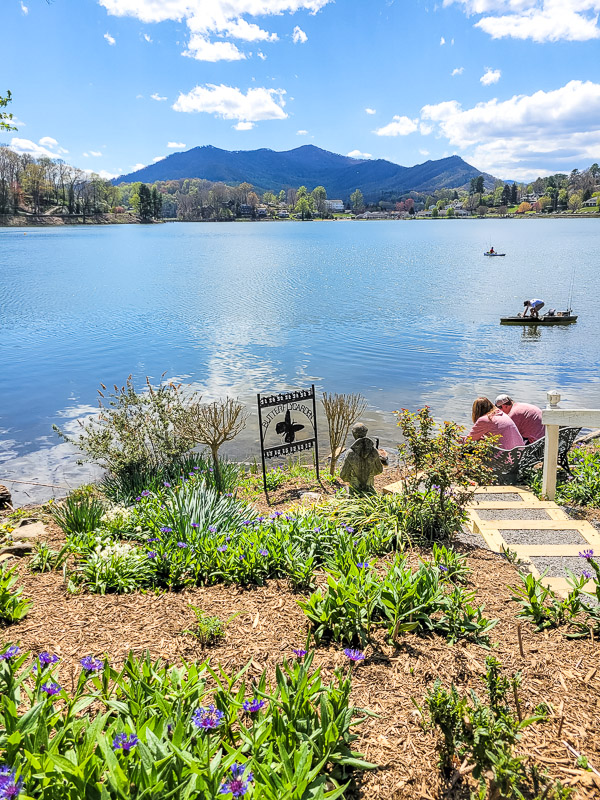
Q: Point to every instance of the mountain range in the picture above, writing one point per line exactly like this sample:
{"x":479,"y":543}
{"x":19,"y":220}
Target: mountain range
{"x":309,"y":166}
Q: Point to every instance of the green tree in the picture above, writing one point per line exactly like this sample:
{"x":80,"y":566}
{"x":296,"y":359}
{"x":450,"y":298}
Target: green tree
{"x":435,"y":213}
{"x":303,"y":207}
{"x":319,"y":196}
{"x":145,"y":208}
{"x":282,"y":196}
{"x":505,"y":195}
{"x":575,"y":201}
{"x":450,"y":212}
{"x":514,"y":199}
{"x":479,"y":187}
{"x":357,"y":200}
{"x":157,"y":201}
{"x":5,"y":115}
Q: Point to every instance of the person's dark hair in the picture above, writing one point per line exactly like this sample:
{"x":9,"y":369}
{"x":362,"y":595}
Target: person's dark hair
{"x":526,"y":303}
{"x":482,"y":406}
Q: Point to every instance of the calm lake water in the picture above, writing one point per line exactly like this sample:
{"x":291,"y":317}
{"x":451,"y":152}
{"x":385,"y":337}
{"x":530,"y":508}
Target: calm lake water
{"x":404,"y":312}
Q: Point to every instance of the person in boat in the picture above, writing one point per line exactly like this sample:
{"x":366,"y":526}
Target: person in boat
{"x":490,"y":421}
{"x":527,"y":418}
{"x":492,"y":251}
{"x":534,"y":307}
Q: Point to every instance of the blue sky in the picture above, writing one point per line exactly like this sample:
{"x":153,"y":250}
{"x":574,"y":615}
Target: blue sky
{"x":513,"y":86}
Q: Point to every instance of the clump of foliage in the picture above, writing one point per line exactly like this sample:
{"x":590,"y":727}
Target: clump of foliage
{"x":45,"y":560}
{"x":78,"y":514}
{"x":483,"y":732}
{"x":582,"y":488}
{"x":207,"y":629}
{"x":441,"y":474}
{"x":13,"y":606}
{"x":541,"y":606}
{"x":425,"y":600}
{"x":150,"y":730}
{"x":341,"y":411}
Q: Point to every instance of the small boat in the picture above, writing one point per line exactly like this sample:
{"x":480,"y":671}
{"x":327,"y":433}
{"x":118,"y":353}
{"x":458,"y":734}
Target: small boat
{"x":559,"y":318}
{"x":491,"y":255}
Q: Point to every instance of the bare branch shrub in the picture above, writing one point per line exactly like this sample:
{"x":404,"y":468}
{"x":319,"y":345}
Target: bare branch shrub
{"x":215,"y":423}
{"x":342,"y":411}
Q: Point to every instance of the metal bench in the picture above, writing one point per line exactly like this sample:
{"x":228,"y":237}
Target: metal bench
{"x":510,"y":466}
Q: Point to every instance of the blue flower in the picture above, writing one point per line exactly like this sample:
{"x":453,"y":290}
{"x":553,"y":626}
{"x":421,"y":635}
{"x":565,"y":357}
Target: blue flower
{"x":291,"y":519}
{"x":299,"y":653}
{"x":349,"y":528}
{"x":212,"y":528}
{"x":137,"y":499}
{"x":254,"y":706}
{"x":229,"y":494}
{"x":181,"y":545}
{"x":11,"y":652}
{"x":154,"y":539}
{"x":586,"y":574}
{"x":10,"y":787}
{"x":166,"y":530}
{"x":248,"y":522}
{"x":167,"y":485}
{"x":91,"y":664}
{"x":222,"y":548}
{"x":354,"y":655}
{"x":124,"y":742}
{"x":362,"y":564}
{"x":587,"y":554}
{"x":45,"y":659}
{"x":195,"y":524}
{"x":50,"y":688}
{"x":151,"y":554}
{"x":442,"y":568}
{"x":208,"y":719}
{"x":145,"y":493}
{"x":263,"y":552}
{"x":239,"y":782}
{"x":317,"y":530}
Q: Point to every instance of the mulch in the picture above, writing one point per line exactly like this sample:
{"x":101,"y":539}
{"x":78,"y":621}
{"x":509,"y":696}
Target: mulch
{"x":562,"y":673}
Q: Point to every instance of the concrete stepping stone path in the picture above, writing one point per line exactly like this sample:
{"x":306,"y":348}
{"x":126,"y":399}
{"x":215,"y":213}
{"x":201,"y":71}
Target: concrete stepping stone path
{"x":538,"y":532}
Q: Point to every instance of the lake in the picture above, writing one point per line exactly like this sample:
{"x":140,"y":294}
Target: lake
{"x":407,"y":313}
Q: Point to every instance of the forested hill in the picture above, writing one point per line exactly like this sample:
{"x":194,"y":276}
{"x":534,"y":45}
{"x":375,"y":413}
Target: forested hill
{"x":268,"y":170}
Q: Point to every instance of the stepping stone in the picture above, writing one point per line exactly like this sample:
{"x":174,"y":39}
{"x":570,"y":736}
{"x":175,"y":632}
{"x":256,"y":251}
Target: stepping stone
{"x":32,"y":530}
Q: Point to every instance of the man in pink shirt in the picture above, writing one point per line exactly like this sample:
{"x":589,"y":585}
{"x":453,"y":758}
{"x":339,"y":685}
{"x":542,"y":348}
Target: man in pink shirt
{"x":489,"y":420}
{"x":526,"y":417}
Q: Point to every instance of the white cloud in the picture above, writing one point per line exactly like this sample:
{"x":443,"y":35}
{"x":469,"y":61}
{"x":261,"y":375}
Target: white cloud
{"x":370,"y":111}
{"x":158,"y":158}
{"x":358,"y":154}
{"x":261,"y":55}
{"x":176,"y":145}
{"x":157,"y":97}
{"x":490,"y":76}
{"x":301,"y":133}
{"x":442,"y":42}
{"x":526,"y":135}
{"x":207,"y":19}
{"x":110,"y":39}
{"x":95,"y":153}
{"x":230,"y":102}
{"x":538,"y":20}
{"x":148,"y":38}
{"x":458,"y":71}
{"x":298,"y":36}
{"x":244,"y":126}
{"x":399,"y":126}
{"x":46,"y":146}
{"x":24,"y":8}
{"x":107,"y":176}
{"x":136,"y":167}
{"x":424,"y":152}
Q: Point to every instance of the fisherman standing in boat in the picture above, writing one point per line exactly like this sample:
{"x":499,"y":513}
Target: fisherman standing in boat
{"x":534,"y":307}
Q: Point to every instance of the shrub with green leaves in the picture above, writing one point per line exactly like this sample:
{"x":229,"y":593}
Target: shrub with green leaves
{"x":45,"y":560}
{"x":120,"y":568}
{"x":13,"y":606}
{"x":582,"y":488}
{"x":150,"y":730}
{"x":81,"y":514}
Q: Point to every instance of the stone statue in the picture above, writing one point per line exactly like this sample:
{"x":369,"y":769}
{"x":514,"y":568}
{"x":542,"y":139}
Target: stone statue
{"x":362,"y":462}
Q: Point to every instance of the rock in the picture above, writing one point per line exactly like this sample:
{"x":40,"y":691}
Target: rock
{"x":310,"y":498}
{"x":30,"y":530}
{"x":17,"y":549}
{"x":5,"y":498}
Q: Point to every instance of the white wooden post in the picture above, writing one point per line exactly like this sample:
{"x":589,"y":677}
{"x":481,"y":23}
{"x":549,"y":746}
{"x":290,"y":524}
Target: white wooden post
{"x":551,"y":450}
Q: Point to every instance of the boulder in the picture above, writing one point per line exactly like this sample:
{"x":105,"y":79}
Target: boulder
{"x":5,"y":498}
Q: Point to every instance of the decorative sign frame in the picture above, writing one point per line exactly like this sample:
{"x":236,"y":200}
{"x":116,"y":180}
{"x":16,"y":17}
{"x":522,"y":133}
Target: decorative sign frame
{"x":287,"y":402}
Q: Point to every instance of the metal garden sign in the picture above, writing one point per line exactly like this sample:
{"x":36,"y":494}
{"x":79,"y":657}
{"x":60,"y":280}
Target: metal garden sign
{"x":288,"y":424}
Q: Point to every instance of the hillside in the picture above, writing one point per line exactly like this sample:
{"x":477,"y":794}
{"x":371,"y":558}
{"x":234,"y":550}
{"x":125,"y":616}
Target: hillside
{"x":308,"y":166}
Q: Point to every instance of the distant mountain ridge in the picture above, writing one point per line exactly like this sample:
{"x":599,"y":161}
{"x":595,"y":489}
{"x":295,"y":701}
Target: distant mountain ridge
{"x":309,"y":166}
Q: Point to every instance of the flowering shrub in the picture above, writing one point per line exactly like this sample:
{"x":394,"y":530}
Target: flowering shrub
{"x":114,"y":568}
{"x":150,"y":730}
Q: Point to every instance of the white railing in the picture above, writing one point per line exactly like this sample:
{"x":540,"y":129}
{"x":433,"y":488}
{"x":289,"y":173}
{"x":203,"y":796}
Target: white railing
{"x":553,"y":417}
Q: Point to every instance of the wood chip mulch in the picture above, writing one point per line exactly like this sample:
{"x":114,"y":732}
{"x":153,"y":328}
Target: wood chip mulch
{"x":562,"y":673}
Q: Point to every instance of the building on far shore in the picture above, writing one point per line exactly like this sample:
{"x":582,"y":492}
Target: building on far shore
{"x":335,"y":206}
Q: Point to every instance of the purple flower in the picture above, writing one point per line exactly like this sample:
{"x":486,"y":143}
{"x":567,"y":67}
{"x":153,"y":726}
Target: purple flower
{"x":212,"y":528}
{"x":50,"y":688}
{"x":44,"y":660}
{"x":317,"y":530}
{"x":181,"y":545}
{"x":195,"y":524}
{"x":354,"y":655}
{"x":191,"y":474}
{"x":254,"y":706}
{"x":154,"y":539}
{"x":12,"y":651}
{"x":166,"y":530}
{"x":291,"y":519}
{"x":222,"y":548}
{"x":207,"y":718}
{"x":9,"y":785}
{"x":587,"y":554}
{"x":260,"y":519}
{"x":229,"y":494}
{"x":137,"y":499}
{"x":362,"y":564}
{"x":436,"y":487}
{"x":91,"y":664}
{"x":151,"y":554}
{"x":299,"y":653}
{"x":196,"y":468}
{"x":263,"y":552}
{"x":248,"y":522}
{"x":124,"y":742}
{"x":442,"y":568}
{"x":167,"y":485}
{"x":145,"y":493}
{"x":586,"y":574}
{"x":349,"y":528}
{"x":239,"y":781}
{"x":276,"y":514}
{"x":228,"y":538}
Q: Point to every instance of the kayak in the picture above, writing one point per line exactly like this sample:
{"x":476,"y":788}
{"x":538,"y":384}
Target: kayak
{"x":555,"y":319}
{"x":500,"y":255}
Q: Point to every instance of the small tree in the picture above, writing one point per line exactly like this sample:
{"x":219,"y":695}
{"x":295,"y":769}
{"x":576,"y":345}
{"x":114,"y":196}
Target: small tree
{"x":358,"y":201}
{"x":145,"y":202}
{"x":215,"y":423}
{"x":342,"y":411}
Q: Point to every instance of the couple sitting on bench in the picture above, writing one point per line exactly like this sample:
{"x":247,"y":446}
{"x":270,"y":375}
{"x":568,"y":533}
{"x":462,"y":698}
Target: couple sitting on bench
{"x":516,"y":424}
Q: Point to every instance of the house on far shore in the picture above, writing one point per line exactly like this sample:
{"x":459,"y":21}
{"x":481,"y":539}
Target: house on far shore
{"x":245,"y":210}
{"x":591,"y":202}
{"x":335,"y":206}
{"x":261,"y":212}
{"x":283,"y":214}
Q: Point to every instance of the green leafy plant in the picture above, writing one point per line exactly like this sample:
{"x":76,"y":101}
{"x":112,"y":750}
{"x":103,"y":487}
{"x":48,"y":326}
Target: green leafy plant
{"x":13,"y":606}
{"x":582,"y":487}
{"x":78,"y":514}
{"x":207,"y":629}
{"x":45,"y":560}
{"x":119,"y":568}
{"x":540,"y":605}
